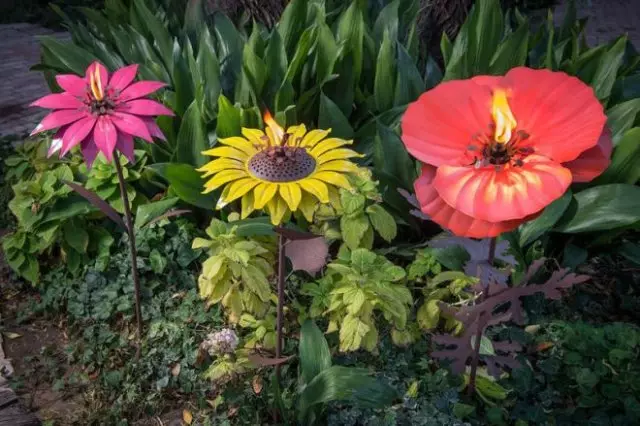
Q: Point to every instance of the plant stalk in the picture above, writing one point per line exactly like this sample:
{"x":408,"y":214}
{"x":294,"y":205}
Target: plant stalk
{"x":483,"y":296}
{"x":134,"y":252}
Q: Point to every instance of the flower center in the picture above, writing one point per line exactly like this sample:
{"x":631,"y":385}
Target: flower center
{"x":282,"y":164}
{"x":99,"y":100}
{"x":499,"y":146}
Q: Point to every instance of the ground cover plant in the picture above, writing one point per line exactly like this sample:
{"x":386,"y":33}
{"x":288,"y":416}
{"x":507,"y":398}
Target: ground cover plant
{"x":323,"y":224}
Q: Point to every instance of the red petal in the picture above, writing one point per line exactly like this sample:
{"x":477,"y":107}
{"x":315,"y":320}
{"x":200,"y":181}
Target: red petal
{"x":76,"y":133}
{"x":105,"y":135}
{"x":506,"y":194}
{"x":58,"y":101}
{"x":144,"y":107}
{"x":132,"y":125}
{"x":594,"y":161}
{"x":73,"y":84}
{"x":56,"y":141}
{"x":123,"y":77}
{"x":449,"y":218}
{"x":104,"y":74}
{"x":559,"y":112}
{"x":154,"y":129}
{"x":59,"y":119}
{"x":125,"y":145}
{"x":140,"y":89}
{"x":440,"y":125}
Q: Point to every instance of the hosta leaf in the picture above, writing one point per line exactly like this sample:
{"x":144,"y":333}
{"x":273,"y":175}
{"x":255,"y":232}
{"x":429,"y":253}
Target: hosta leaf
{"x":313,"y":350}
{"x":330,"y":117}
{"x":150,"y":211}
{"x":624,"y":163}
{"x":76,"y":236}
{"x":186,"y":183}
{"x":386,"y":24}
{"x":351,"y":32}
{"x":292,"y":23}
{"x":326,"y":53}
{"x":530,"y":231}
{"x":409,"y":84}
{"x":158,"y":30}
{"x":621,"y":118}
{"x":607,"y":70}
{"x":210,"y":72}
{"x":228,"y":119}
{"x":385,"y":74}
{"x":192,"y":138}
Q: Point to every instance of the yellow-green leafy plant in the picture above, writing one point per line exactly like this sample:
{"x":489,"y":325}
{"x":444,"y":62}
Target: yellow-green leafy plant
{"x":262,"y":331}
{"x":229,"y":360}
{"x":236,"y":272}
{"x":356,"y":286}
{"x":354,"y":214}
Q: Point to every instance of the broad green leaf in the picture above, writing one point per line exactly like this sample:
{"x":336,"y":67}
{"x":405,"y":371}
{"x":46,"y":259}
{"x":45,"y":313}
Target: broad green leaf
{"x":194,"y":21}
{"x":326,"y":53}
{"x":607,"y":70}
{"x":157,"y":261}
{"x":313,"y":351}
{"x":353,"y":229}
{"x":386,"y":24}
{"x":391,"y":157}
{"x":428,"y":315}
{"x":602,"y":208}
{"x":76,"y":236}
{"x":292,"y":23}
{"x":182,"y":80}
{"x":339,"y":383}
{"x":228,"y":119}
{"x":624,"y":167}
{"x":433,"y":74}
{"x":485,"y":32}
{"x":72,"y":57}
{"x":255,"y":70}
{"x":446,"y":48}
{"x":351,"y":32}
{"x":363,"y":260}
{"x":342,"y":90}
{"x":409,"y":84}
{"x":532,"y":230}
{"x":210,"y":72}
{"x":330,"y":117}
{"x":255,"y":280}
{"x":276,"y":61}
{"x":382,"y":222}
{"x":512,"y":52}
{"x":192,"y":139}
{"x":150,"y":211}
{"x":229,"y":50}
{"x":186,"y":183}
{"x":621,"y":118}
{"x":352,"y":332}
{"x":158,"y":30}
{"x":304,"y":45}
{"x":385,"y":74}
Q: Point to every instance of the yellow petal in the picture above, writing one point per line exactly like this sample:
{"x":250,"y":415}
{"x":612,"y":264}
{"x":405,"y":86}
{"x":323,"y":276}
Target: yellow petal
{"x":337,"y":179}
{"x":277,"y":209}
{"x":313,"y":137}
{"x":247,"y":205}
{"x":338,"y":154}
{"x":223,"y":177}
{"x":222,"y":203}
{"x":292,"y":194}
{"x":226,"y":151}
{"x":255,"y":136}
{"x":240,"y":187}
{"x":239,"y":143}
{"x":344,"y":166}
{"x":308,"y":206}
{"x":296,"y":132}
{"x":263,"y":194}
{"x":327,"y":145}
{"x":220,"y":164}
{"x":273,"y":141}
{"x":316,"y":188}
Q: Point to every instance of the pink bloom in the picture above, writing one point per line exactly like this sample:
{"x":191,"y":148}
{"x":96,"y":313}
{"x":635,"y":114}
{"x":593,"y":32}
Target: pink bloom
{"x":101,"y":112}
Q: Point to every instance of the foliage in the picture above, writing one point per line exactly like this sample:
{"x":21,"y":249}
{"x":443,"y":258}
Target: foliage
{"x":356,"y":216}
{"x":356,"y":285}
{"x":581,"y":373}
{"x":236,"y":274}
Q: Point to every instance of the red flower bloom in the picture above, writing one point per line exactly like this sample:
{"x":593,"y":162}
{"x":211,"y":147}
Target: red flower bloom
{"x":497,"y":150}
{"x":101,"y":113}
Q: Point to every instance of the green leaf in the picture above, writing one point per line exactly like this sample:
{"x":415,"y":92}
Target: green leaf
{"x":228,"y":119}
{"x":255,"y":280}
{"x":158,"y":30}
{"x":351,"y":33}
{"x":330,"y":117}
{"x":624,"y":162}
{"x":532,"y":230}
{"x":363,"y":259}
{"x":433,"y":74}
{"x":391,"y":157}
{"x":353,"y":229}
{"x":302,"y":51}
{"x":409,"y":84}
{"x":621,"y":118}
{"x":76,"y":236}
{"x":602,"y":208}
{"x":339,"y":383}
{"x":74,"y":58}
{"x":352,"y":332}
{"x":446,"y":48}
{"x":192,"y":138}
{"x":158,"y":261}
{"x":255,"y":70}
{"x":186,"y":183}
{"x":292,"y":23}
{"x":512,"y":51}
{"x":382,"y":222}
{"x":314,"y":353}
{"x":326,"y":53}
{"x":428,"y":316}
{"x":462,"y":411}
{"x":386,"y":24}
{"x":150,"y":211}
{"x":210,"y":72}
{"x":230,"y":47}
{"x":485,"y":32}
{"x":194,"y":21}
{"x":607,"y":70}
{"x":385,"y":74}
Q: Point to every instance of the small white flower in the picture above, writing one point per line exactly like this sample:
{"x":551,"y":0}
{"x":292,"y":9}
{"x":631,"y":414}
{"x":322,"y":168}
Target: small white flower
{"x":224,"y":341}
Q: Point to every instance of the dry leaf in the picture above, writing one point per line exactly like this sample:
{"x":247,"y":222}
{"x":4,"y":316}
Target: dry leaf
{"x":544,"y":346}
{"x":175,"y":371}
{"x":11,"y":335}
{"x":232,"y":411}
{"x":187,"y":416}
{"x":257,"y":384}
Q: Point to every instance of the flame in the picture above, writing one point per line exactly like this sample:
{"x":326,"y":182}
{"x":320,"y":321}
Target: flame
{"x":96,"y":84}
{"x":502,"y":117}
{"x":278,"y":132}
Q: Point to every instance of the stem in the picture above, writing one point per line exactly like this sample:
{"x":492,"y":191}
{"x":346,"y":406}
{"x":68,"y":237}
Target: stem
{"x":482,"y":297}
{"x":134,"y":252}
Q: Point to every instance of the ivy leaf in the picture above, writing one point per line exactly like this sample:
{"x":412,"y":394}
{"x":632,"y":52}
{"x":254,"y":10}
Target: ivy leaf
{"x":382,"y":222}
{"x":353,"y":229}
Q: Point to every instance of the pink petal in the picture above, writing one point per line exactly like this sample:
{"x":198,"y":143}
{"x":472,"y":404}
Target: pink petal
{"x":73,"y":84}
{"x":58,"y":101}
{"x":58,"y":119}
{"x":56,"y":142}
{"x":594,"y":161}
{"x":125,"y":146}
{"x":154,"y":129}
{"x":89,"y":151}
{"x":123,"y":77}
{"x":104,"y":74}
{"x":140,"y":89}
{"x":105,"y":135}
{"x":76,"y":133}
{"x":144,"y":107}
{"x":132,"y":125}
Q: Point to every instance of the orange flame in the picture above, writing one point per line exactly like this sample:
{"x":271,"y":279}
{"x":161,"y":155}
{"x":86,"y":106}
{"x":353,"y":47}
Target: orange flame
{"x":278,"y":131}
{"x":502,"y":117}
